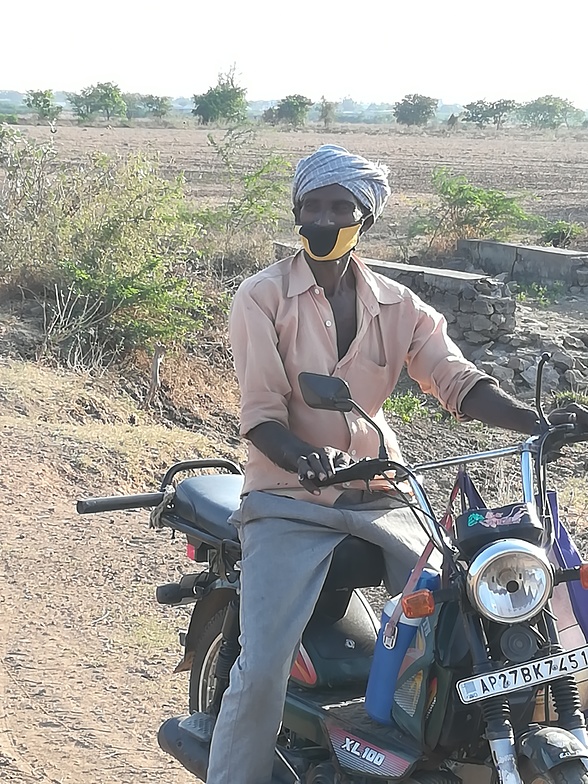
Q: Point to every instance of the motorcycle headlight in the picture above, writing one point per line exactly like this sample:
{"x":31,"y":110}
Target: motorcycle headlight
{"x":510,"y":580}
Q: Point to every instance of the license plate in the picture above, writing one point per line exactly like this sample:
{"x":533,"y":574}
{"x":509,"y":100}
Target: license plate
{"x":523,"y":675}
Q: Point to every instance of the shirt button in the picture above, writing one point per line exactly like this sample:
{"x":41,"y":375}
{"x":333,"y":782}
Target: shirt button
{"x":353,"y":452}
{"x":328,"y":323}
{"x":317,"y":291}
{"x":346,"y":484}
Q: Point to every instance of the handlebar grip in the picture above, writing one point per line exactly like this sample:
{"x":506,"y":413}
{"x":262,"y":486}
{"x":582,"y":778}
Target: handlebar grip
{"x":118,"y":502}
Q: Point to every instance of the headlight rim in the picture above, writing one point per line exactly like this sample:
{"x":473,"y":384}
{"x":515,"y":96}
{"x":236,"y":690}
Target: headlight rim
{"x":491,"y":553}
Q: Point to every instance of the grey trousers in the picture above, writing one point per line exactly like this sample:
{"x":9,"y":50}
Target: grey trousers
{"x":287,"y":547}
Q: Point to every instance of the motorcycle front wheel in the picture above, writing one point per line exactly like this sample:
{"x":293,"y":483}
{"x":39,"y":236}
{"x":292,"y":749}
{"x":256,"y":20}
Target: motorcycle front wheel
{"x":569,"y":772}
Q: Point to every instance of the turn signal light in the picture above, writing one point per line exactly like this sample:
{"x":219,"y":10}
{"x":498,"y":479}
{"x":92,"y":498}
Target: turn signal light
{"x":584,"y":576}
{"x":419,"y":604}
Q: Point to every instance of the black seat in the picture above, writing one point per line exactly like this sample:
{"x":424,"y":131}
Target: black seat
{"x":208,"y":501}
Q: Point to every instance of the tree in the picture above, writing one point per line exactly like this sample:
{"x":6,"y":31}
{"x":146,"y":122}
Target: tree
{"x":484,"y":112}
{"x":134,"y":104}
{"x":156,"y":105}
{"x":549,"y":111}
{"x":270,"y":115}
{"x":43,"y":102}
{"x":478,"y":112}
{"x":83,"y":104}
{"x":108,"y":99}
{"x":327,"y":111}
{"x":104,"y":97}
{"x":415,"y":109}
{"x":225,"y":101}
{"x":499,"y":111}
{"x":293,"y":110}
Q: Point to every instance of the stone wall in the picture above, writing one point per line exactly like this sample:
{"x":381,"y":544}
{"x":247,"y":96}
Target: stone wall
{"x":528,"y":263}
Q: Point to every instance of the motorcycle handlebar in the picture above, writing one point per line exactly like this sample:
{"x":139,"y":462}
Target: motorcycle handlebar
{"x":118,"y":502}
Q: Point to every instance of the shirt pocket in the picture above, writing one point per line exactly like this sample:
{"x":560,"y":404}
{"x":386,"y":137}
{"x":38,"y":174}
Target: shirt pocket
{"x":370,"y":382}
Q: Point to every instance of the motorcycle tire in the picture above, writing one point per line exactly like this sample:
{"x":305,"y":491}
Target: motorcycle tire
{"x":203,"y":663}
{"x":569,"y":772}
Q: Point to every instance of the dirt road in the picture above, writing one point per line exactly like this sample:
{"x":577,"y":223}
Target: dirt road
{"x":86,"y":655}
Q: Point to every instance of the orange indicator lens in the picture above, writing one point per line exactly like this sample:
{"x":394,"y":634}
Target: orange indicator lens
{"x":418,"y":604}
{"x":584,"y":576}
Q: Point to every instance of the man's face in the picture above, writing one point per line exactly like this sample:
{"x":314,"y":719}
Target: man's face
{"x":332,"y":205}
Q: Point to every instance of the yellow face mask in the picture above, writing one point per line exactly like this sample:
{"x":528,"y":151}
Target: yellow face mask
{"x":328,"y":243}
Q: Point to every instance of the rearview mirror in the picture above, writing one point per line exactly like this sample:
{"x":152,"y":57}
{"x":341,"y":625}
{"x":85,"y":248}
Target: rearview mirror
{"x":325,"y":392}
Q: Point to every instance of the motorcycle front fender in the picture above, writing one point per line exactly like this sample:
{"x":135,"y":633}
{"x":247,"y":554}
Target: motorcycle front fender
{"x":546,"y":747}
{"x":203,"y":611}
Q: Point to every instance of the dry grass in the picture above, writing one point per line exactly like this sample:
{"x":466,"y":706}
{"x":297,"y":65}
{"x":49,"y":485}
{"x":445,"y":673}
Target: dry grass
{"x":94,"y":433}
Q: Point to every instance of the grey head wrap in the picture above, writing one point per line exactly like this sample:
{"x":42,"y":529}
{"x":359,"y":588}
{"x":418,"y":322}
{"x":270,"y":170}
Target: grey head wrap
{"x":333,"y":165}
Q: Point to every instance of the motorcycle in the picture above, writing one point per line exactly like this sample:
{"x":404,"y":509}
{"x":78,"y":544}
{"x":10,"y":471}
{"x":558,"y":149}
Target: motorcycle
{"x":497,"y":691}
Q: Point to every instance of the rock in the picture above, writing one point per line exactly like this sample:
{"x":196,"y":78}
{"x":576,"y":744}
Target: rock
{"x":483,"y":353}
{"x":481,"y":323}
{"x":550,"y":377}
{"x":487,"y":367}
{"x":518,"y":363}
{"x":475,"y":337}
{"x":464,"y":320}
{"x":506,"y":306}
{"x":450,"y":302}
{"x":508,"y":387}
{"x":570,"y":341}
{"x":575,"y":379}
{"x":562,"y":360}
{"x":582,"y":276}
{"x":583,"y":336}
{"x":483,"y":305}
{"x":465,"y":306}
{"x":450,"y":318}
{"x":498,"y":319}
{"x":502,"y":373}
{"x":469,"y":292}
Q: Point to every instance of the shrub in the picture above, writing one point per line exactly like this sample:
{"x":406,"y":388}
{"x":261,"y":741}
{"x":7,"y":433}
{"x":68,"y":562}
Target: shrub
{"x":469,"y":211}
{"x":561,"y":233}
{"x":236,"y":231}
{"x":406,"y":406}
{"x":107,"y":246}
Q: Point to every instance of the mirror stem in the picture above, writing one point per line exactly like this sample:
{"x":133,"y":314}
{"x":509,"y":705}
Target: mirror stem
{"x":382,"y":452}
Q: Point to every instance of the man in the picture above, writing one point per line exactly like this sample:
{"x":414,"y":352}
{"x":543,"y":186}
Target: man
{"x":323,"y":311}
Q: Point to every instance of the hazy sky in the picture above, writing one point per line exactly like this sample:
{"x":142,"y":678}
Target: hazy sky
{"x":453,"y":50}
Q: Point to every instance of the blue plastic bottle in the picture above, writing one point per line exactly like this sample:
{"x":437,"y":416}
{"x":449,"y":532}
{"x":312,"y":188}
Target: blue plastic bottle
{"x":379,"y":696}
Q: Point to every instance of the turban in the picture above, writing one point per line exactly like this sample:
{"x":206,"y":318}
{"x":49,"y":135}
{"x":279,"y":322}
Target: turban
{"x":333,"y":165}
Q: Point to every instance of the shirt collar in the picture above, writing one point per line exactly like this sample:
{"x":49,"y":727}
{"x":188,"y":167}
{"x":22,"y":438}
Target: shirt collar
{"x":372,"y":289}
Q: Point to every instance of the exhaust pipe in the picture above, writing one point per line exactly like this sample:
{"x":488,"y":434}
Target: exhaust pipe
{"x":191,"y":753}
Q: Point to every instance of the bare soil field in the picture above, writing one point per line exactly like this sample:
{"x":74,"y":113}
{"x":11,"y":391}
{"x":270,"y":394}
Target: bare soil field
{"x":86,"y":654}
{"x":549,"y":170}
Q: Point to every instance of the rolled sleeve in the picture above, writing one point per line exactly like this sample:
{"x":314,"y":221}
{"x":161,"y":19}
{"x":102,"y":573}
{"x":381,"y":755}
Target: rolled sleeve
{"x":265,"y":389}
{"x":437,"y":364}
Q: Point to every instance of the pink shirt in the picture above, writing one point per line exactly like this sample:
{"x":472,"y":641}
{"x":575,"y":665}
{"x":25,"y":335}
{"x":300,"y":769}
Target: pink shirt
{"x":281,"y":323}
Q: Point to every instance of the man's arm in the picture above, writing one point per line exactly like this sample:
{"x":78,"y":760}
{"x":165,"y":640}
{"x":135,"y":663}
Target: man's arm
{"x":489,"y":404}
{"x":289,"y":452}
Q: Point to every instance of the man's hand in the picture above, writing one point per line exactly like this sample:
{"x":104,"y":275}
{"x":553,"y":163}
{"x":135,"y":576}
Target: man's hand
{"x":573,"y":413}
{"x":320,"y":465}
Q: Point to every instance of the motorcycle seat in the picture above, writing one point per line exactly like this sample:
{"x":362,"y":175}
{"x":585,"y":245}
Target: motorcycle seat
{"x":208,"y":501}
